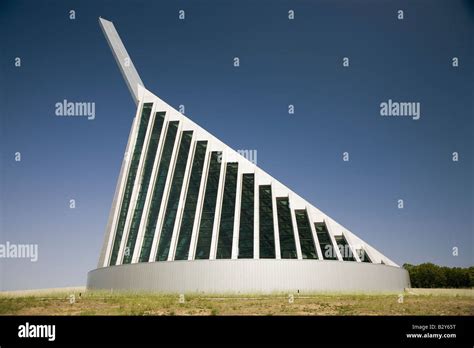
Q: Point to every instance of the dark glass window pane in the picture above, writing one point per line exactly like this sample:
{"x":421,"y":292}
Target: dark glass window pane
{"x":285,"y":227}
{"x":308,"y":248}
{"x":203,"y":247}
{"x":187,"y":222}
{"x":364,"y":257}
{"x":142,"y":127}
{"x":344,"y":247}
{"x":148,"y":168}
{"x":226,"y":228}
{"x":247,"y":211}
{"x":267,"y":236}
{"x":158,"y":189}
{"x":173,"y":199}
{"x":327,"y":248}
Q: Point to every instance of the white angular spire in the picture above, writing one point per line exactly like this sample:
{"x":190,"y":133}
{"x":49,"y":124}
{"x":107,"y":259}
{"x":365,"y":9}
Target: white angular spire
{"x":122,"y":58}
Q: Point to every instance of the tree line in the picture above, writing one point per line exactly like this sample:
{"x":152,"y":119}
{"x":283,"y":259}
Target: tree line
{"x":429,"y":275}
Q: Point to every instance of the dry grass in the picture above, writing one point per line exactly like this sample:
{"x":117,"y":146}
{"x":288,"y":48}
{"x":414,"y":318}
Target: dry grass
{"x":415,"y":302}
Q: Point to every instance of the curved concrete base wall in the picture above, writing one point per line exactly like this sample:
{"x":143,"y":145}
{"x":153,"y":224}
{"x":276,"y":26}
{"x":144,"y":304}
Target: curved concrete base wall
{"x":249,"y":276}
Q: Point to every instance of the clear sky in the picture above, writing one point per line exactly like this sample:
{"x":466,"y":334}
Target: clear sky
{"x":282,"y":62}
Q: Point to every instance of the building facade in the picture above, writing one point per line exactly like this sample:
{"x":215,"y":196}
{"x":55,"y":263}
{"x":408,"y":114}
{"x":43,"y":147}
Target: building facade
{"x":192,"y":215}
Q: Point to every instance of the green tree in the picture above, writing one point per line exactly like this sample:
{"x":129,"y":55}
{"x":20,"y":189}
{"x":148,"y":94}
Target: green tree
{"x":429,"y":275}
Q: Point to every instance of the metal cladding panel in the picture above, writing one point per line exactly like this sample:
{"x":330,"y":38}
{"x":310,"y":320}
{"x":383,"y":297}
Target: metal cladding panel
{"x":249,"y":276}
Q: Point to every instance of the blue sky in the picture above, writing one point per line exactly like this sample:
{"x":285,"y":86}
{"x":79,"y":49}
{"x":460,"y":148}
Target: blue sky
{"x":283,"y":62}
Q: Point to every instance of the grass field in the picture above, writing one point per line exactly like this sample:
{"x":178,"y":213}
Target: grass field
{"x":60,"y":302}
